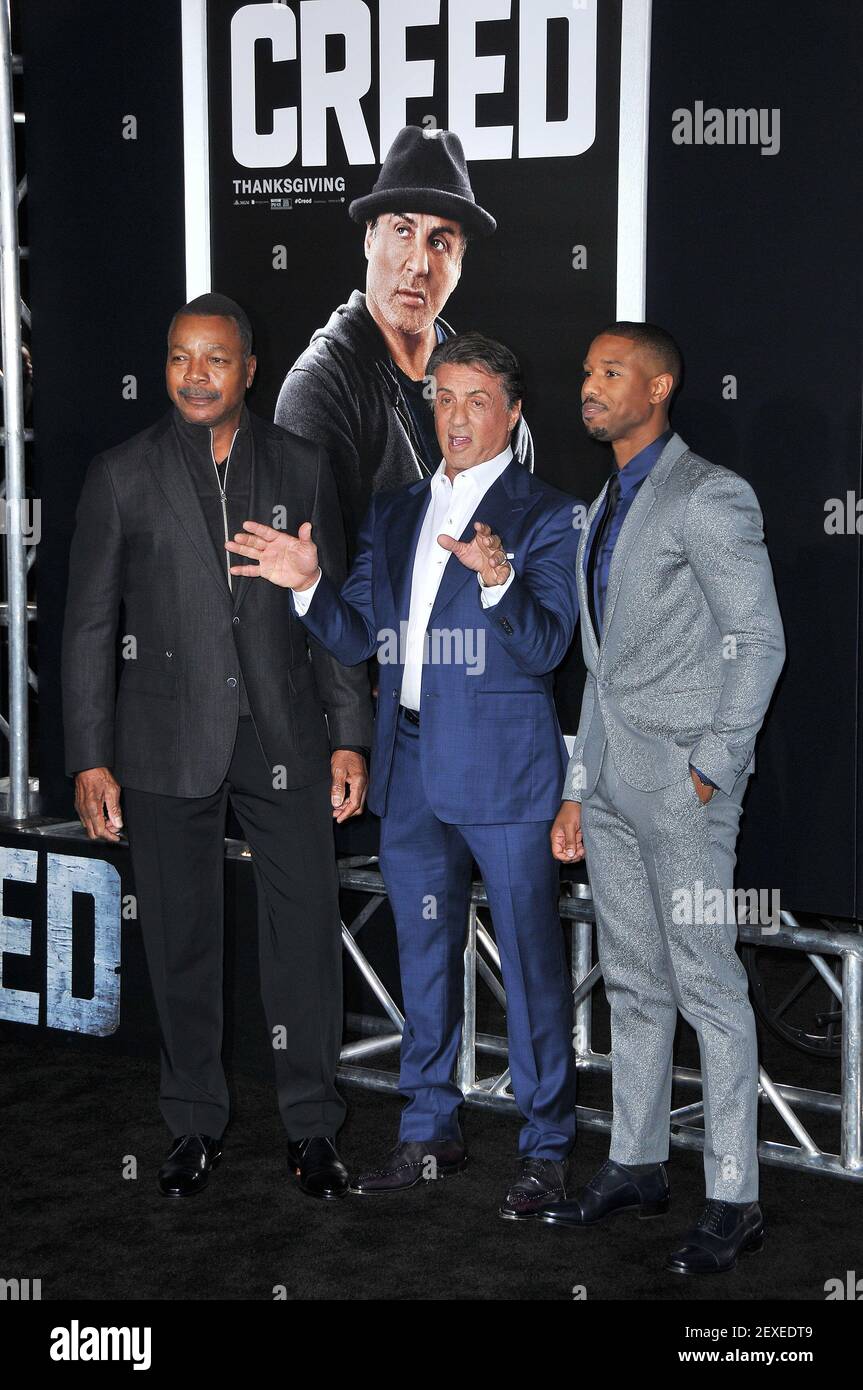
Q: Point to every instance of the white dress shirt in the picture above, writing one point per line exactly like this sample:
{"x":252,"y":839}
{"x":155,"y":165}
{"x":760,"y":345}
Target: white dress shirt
{"x":450,"y":509}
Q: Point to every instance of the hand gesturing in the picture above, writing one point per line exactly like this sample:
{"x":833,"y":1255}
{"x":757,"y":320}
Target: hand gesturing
{"x":484,"y":553}
{"x":289,"y":561}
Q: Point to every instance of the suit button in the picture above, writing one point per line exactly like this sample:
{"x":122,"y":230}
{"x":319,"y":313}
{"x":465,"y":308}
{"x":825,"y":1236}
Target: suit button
{"x":232,"y":681}
{"x":169,"y":653}
{"x":395,"y":694}
{"x":235,"y":620}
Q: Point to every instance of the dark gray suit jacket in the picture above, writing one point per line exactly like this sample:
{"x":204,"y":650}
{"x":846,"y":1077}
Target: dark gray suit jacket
{"x":141,"y":541}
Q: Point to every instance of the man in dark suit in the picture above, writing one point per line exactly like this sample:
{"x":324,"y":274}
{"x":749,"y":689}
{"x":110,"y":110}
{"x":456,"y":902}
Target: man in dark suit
{"x":221,"y":697}
{"x":468,"y":758}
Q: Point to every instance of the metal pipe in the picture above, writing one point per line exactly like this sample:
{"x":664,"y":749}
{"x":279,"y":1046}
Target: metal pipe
{"x":582,"y":955}
{"x":585,"y":987}
{"x":369,"y":1047}
{"x":814,"y":939}
{"x":801,"y":1134}
{"x":852,"y":1062}
{"x":491,"y":980}
{"x":827,"y":975}
{"x":695,"y":1111}
{"x":485,"y":939}
{"x":13,"y":417}
{"x":466,"y":1068}
{"x":497,"y":1088}
{"x":372,"y":979}
{"x":368,"y":911}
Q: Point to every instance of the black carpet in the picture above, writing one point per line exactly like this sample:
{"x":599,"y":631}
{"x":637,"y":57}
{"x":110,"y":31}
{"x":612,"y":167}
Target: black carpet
{"x":74,"y":1122}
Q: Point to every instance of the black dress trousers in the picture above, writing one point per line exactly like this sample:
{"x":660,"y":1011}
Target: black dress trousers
{"x":177,"y":850}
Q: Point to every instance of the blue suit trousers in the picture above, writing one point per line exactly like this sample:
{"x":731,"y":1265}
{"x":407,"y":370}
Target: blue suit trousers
{"x":426,"y":865}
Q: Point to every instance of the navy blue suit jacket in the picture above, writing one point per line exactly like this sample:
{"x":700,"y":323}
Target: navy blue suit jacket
{"x":491,"y":746}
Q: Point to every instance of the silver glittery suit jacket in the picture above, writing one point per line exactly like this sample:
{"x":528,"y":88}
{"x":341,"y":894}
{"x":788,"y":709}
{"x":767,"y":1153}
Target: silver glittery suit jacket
{"x":692,"y":641}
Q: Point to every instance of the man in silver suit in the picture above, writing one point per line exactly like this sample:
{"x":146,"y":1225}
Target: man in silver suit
{"x":683,"y":645}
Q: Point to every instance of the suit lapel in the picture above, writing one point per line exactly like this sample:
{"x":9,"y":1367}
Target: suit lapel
{"x":402,"y":536}
{"x":581,"y":578}
{"x":174,"y":480}
{"x":635,"y":519}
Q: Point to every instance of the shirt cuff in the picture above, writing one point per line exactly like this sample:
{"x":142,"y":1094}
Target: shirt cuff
{"x":304,"y":598}
{"x":490,"y":594}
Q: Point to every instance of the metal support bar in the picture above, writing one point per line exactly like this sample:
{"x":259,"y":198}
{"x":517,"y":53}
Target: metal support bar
{"x":695,"y":1111}
{"x":370,"y":908}
{"x":494,"y":984}
{"x":369,"y":1047}
{"x":852,"y":1062}
{"x":801,"y":1134}
{"x":466,"y":1066}
{"x":488,"y":943}
{"x":373,"y":980}
{"x":827,"y":975}
{"x":13,"y":419}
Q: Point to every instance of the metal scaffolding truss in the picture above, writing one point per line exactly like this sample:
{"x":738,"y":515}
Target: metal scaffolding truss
{"x":15,"y":611}
{"x":491,"y":1089}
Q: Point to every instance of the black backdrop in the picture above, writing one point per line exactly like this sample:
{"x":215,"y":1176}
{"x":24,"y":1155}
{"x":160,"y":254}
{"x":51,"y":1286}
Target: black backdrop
{"x":752,"y":264}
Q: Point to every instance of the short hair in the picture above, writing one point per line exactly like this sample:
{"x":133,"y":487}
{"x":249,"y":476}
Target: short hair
{"x":218,"y":306}
{"x":658,"y":342}
{"x":372,"y":226}
{"x":473,"y":349}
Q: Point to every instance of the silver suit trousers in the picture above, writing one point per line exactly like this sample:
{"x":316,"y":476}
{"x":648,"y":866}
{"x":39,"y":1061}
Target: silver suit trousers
{"x":652,"y":857}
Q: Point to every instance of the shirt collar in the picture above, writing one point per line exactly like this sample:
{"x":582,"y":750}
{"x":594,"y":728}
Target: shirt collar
{"x":198,"y":437}
{"x":635,"y":472}
{"x":480,"y":477}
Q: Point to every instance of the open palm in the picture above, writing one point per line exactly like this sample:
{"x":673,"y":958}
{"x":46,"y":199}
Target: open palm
{"x":289,"y":561}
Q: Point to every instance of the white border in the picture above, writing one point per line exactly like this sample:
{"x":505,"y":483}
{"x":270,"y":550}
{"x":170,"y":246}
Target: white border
{"x":634,"y":122}
{"x":196,"y":147}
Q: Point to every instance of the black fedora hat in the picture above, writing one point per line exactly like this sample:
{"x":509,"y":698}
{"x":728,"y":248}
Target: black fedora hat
{"x":425,"y":171}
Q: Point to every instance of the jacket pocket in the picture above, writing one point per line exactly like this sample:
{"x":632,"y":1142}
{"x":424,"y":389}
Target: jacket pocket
{"x":147,"y":715}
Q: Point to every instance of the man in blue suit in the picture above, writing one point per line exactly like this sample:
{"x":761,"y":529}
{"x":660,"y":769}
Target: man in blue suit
{"x":464,"y":586}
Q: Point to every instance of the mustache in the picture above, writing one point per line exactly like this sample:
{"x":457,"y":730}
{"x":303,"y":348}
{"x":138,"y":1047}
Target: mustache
{"x":198,"y":395}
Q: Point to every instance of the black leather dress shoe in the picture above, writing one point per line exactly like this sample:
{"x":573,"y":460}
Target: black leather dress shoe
{"x":412,"y":1162}
{"x":613,"y":1189}
{"x":318,"y":1168}
{"x":723,"y":1231}
{"x":187,"y":1168}
{"x":537,"y":1182}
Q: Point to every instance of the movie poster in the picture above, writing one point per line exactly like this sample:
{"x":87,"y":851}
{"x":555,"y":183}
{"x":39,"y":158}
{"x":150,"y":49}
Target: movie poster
{"x":299,"y":104}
